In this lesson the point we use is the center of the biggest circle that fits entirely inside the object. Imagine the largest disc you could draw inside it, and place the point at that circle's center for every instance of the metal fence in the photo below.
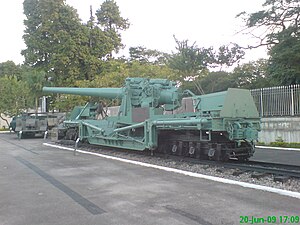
(278, 101)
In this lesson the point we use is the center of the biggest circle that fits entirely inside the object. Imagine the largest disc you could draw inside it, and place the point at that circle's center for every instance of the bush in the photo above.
(294, 145)
(278, 144)
(285, 145)
(261, 143)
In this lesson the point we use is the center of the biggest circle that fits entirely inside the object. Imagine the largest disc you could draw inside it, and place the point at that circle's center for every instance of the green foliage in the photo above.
(284, 61)
(53, 36)
(228, 55)
(144, 55)
(293, 145)
(217, 81)
(57, 41)
(9, 68)
(193, 63)
(65, 103)
(115, 72)
(285, 144)
(279, 139)
(111, 22)
(190, 61)
(35, 80)
(249, 75)
(276, 17)
(261, 143)
(279, 142)
(109, 16)
(20, 88)
(137, 69)
(15, 96)
(277, 27)
(252, 75)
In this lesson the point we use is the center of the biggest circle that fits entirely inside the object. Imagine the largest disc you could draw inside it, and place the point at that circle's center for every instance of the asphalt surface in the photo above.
(277, 156)
(41, 185)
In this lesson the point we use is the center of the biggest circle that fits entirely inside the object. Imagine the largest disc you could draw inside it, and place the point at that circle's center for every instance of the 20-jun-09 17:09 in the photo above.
(270, 220)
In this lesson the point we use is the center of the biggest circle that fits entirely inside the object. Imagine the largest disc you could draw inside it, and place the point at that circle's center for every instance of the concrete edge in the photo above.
(191, 174)
(278, 148)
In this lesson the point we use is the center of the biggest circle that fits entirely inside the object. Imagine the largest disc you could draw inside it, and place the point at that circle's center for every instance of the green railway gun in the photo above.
(154, 116)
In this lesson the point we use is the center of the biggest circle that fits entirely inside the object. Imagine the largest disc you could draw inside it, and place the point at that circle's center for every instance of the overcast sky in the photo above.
(153, 23)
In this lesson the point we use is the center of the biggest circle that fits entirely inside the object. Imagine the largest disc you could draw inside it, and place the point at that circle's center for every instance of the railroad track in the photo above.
(267, 168)
(261, 169)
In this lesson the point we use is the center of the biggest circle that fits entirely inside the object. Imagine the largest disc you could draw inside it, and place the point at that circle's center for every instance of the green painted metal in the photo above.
(233, 103)
(103, 92)
(141, 98)
(142, 117)
(233, 110)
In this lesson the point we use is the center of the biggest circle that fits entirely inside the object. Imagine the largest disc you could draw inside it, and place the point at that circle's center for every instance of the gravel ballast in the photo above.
(290, 184)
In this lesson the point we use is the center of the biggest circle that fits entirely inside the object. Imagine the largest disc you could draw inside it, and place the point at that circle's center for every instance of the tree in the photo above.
(284, 61)
(228, 55)
(149, 70)
(9, 68)
(110, 20)
(267, 25)
(213, 82)
(144, 55)
(252, 75)
(277, 27)
(15, 96)
(191, 62)
(58, 43)
(36, 80)
(56, 40)
(217, 81)
(99, 48)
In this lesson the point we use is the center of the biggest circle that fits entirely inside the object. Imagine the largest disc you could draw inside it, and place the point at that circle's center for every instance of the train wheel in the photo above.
(71, 134)
(243, 158)
(225, 157)
(174, 149)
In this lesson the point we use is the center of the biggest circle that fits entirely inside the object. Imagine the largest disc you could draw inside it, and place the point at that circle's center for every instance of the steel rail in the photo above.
(250, 166)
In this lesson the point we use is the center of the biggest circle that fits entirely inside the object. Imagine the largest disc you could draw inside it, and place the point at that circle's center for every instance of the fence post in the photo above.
(261, 103)
(292, 98)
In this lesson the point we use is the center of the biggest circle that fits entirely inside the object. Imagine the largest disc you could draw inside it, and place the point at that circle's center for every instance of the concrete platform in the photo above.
(43, 185)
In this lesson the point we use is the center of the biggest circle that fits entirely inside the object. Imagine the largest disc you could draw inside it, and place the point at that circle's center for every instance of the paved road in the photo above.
(40, 185)
(277, 156)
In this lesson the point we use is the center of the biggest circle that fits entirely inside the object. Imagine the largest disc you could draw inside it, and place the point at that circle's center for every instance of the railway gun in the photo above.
(151, 116)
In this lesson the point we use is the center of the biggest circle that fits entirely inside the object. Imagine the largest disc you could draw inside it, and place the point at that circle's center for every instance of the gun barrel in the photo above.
(110, 93)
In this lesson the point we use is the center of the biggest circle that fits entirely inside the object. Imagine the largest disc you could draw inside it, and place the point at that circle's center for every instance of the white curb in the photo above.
(197, 175)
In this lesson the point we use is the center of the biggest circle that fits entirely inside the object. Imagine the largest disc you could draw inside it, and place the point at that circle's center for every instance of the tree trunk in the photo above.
(4, 120)
(36, 104)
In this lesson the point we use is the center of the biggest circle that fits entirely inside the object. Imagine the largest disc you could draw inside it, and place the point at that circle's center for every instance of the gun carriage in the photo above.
(151, 117)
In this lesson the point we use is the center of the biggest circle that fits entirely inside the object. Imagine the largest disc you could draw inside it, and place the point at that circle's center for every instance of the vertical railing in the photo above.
(278, 101)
